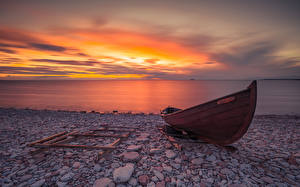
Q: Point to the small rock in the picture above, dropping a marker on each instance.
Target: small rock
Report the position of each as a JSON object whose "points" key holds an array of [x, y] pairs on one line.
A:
{"points": [[38, 183], [196, 178], [155, 151], [168, 168], [180, 177], [123, 174], [67, 177], [142, 139], [151, 184], [97, 167], [25, 178], [178, 160], [168, 179], [143, 179], [76, 165], [180, 183], [60, 184], [161, 184], [158, 168], [115, 165], [226, 171], [237, 185], [211, 158], [177, 166], [133, 182], [134, 147], [131, 156], [146, 135], [168, 145], [267, 179], [170, 154], [104, 182], [154, 179], [158, 175], [24, 184], [197, 161]]}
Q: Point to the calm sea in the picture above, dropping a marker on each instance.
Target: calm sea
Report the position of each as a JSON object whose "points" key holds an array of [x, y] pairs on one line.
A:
{"points": [[274, 96]]}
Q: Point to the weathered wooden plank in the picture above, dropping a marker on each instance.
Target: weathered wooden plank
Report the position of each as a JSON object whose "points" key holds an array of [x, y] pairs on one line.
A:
{"points": [[106, 152], [67, 140], [103, 135], [116, 130], [47, 138], [73, 146], [116, 142], [117, 126], [61, 137]]}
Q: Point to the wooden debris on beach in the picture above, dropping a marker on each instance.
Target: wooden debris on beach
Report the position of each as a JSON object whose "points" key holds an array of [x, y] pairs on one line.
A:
{"points": [[59, 140]]}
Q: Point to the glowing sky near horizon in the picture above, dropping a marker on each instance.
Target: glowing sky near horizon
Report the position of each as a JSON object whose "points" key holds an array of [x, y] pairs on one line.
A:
{"points": [[149, 39]]}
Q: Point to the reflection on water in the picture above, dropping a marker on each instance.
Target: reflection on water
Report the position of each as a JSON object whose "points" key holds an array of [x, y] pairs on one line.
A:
{"points": [[279, 97]]}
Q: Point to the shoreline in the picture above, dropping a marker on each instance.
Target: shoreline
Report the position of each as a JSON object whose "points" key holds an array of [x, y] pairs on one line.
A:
{"points": [[267, 155], [128, 112], [82, 111]]}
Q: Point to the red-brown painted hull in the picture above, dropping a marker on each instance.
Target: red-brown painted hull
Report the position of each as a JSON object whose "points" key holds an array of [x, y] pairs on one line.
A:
{"points": [[221, 121]]}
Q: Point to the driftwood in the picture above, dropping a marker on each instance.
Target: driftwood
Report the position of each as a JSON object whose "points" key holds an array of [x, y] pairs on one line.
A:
{"points": [[47, 138], [103, 135], [117, 130], [74, 146], [61, 137], [104, 153], [59, 140]]}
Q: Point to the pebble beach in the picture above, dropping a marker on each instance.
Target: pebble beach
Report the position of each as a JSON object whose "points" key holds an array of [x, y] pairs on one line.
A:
{"points": [[268, 154]]}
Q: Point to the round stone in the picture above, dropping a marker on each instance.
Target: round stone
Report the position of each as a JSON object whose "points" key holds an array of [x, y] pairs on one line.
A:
{"points": [[131, 156]]}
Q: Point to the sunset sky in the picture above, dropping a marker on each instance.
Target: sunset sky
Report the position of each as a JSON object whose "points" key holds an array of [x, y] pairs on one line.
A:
{"points": [[136, 39]]}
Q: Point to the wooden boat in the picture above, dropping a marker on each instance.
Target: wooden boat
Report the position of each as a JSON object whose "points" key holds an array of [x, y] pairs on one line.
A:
{"points": [[221, 121]]}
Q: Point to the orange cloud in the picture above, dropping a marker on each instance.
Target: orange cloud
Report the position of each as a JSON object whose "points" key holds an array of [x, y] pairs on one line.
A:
{"points": [[113, 53]]}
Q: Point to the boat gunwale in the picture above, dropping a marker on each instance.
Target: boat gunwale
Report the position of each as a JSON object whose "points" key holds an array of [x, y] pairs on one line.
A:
{"points": [[196, 106]]}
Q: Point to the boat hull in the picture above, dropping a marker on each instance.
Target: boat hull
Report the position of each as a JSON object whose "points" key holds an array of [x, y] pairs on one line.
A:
{"points": [[221, 121]]}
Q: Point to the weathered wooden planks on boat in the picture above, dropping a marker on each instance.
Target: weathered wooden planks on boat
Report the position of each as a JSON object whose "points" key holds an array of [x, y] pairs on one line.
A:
{"points": [[221, 121]]}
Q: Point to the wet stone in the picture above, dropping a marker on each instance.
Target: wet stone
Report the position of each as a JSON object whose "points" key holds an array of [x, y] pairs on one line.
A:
{"points": [[170, 154], [104, 182], [133, 182], [134, 147], [151, 184], [146, 135], [131, 156], [158, 174], [267, 180], [115, 165], [155, 151], [25, 178], [61, 184], [97, 167], [197, 161], [67, 177], [123, 174], [142, 139], [38, 183], [76, 165], [211, 158], [167, 168], [143, 179], [160, 184], [154, 178]]}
